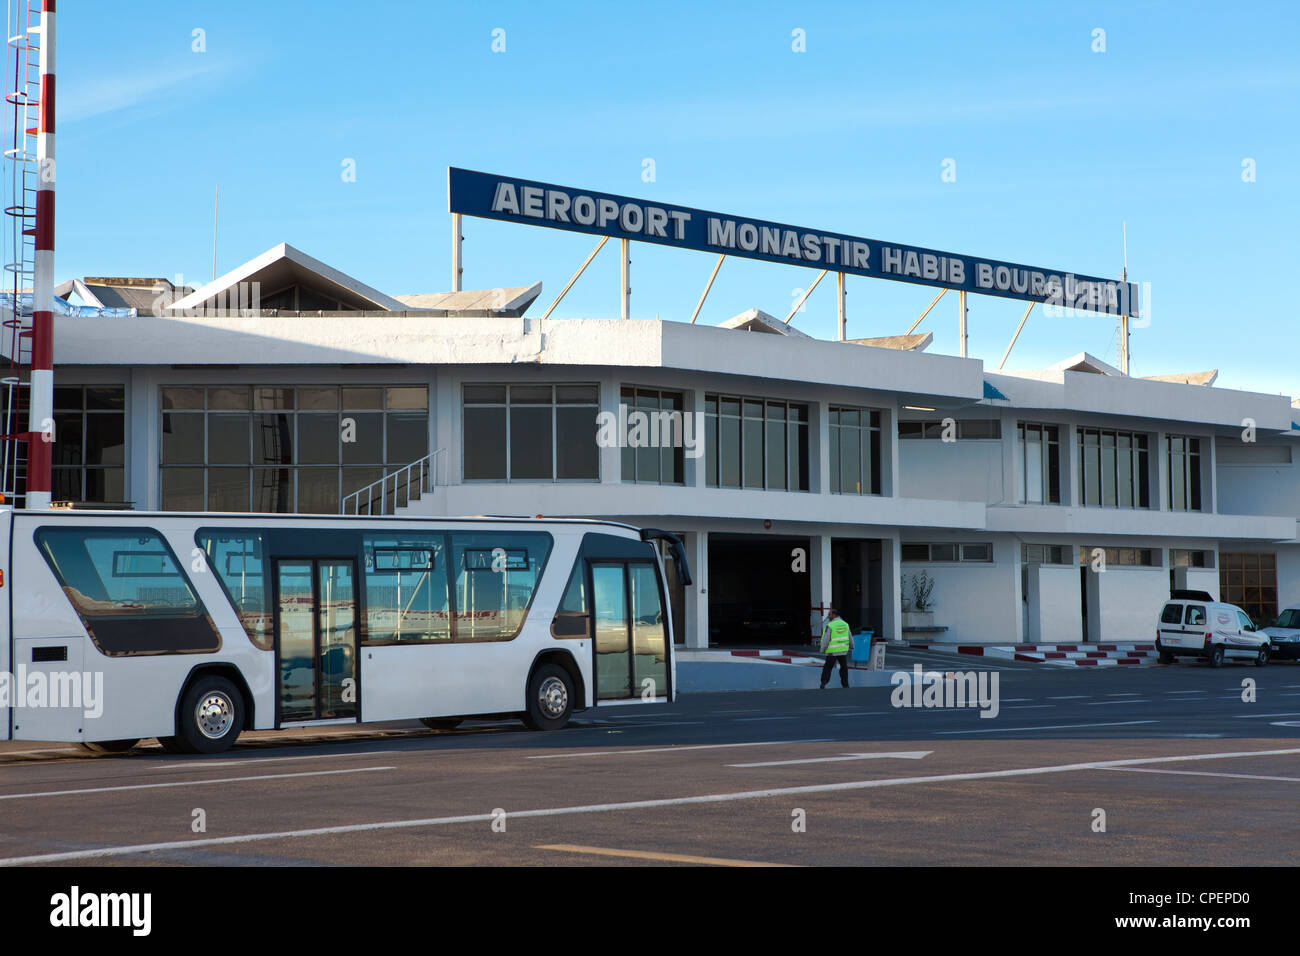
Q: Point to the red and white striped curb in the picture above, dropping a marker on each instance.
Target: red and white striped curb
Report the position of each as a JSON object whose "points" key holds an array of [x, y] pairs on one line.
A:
{"points": [[778, 657], [1068, 655]]}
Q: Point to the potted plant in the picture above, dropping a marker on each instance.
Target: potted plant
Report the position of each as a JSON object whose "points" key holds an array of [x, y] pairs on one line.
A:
{"points": [[919, 611]]}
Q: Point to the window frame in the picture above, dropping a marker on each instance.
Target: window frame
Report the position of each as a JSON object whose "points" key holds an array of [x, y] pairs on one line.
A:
{"points": [[554, 404]]}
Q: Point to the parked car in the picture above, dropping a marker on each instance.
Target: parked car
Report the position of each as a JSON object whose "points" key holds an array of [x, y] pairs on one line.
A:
{"points": [[1284, 633], [1192, 624]]}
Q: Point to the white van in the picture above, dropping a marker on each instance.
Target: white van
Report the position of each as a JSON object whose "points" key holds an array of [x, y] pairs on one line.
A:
{"points": [[1193, 624]]}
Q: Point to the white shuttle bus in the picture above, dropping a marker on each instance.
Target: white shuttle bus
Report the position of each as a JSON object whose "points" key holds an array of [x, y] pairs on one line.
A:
{"points": [[117, 626]]}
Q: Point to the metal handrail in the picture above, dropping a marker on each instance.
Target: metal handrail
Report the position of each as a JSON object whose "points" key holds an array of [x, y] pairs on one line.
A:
{"points": [[422, 474]]}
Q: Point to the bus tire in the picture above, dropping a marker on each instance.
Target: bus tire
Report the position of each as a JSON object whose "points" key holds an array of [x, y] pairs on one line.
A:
{"points": [[211, 716], [108, 746], [550, 698], [441, 723]]}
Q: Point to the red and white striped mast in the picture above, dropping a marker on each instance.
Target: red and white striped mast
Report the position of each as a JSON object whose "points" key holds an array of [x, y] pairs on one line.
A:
{"points": [[40, 448]]}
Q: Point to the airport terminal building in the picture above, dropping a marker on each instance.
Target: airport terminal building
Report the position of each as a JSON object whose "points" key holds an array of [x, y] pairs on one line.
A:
{"points": [[1048, 506]]}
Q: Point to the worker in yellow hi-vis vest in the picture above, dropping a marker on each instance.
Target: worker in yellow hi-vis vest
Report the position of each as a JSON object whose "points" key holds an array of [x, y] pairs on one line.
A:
{"points": [[837, 643]]}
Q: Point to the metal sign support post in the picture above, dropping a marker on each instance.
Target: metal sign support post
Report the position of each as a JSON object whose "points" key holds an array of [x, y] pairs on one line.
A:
{"points": [[839, 298], [456, 239], [625, 279], [961, 320]]}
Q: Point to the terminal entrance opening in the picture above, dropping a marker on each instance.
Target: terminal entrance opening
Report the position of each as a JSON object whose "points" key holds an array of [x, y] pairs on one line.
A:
{"points": [[759, 591]]}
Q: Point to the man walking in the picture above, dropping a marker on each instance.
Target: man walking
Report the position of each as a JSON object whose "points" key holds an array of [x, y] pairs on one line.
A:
{"points": [[837, 642]]}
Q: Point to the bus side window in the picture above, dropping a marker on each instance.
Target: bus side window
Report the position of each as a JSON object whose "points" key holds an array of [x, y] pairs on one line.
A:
{"points": [[128, 590], [495, 575], [571, 616]]}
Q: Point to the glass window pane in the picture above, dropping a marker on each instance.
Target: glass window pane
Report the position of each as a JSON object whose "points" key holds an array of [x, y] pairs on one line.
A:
{"points": [[227, 489], [797, 473], [850, 461], [409, 397], [577, 394], [228, 439], [753, 449], [65, 484], [355, 479], [182, 440], [729, 452], [776, 459], [485, 394], [105, 397], [833, 438], [753, 409], [273, 398], [105, 484], [273, 490], [627, 463], [228, 398], [530, 394], [943, 552], [238, 560], [68, 448], [272, 439], [495, 575], [182, 398], [319, 439], [182, 489], [485, 443], [408, 437], [916, 552], [406, 588], [613, 664], [711, 450], [318, 399], [530, 442], [318, 491], [649, 650], [69, 398], [576, 454], [366, 433], [359, 399]]}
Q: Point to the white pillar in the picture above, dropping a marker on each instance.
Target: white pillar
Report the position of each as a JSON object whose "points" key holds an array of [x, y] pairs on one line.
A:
{"points": [[697, 596], [820, 581], [891, 615]]}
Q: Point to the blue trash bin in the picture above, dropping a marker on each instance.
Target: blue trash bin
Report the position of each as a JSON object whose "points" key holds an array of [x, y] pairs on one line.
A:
{"points": [[861, 648]]}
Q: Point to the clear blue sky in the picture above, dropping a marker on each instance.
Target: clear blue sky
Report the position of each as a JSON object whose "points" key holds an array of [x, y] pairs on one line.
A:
{"points": [[1054, 144]]}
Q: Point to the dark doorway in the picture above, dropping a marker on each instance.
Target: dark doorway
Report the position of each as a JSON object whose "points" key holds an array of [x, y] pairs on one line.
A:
{"points": [[758, 590], [856, 582]]}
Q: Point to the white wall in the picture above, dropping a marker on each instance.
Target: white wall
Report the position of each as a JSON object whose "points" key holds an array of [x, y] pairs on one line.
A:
{"points": [[978, 603], [1129, 602], [964, 470], [1054, 609]]}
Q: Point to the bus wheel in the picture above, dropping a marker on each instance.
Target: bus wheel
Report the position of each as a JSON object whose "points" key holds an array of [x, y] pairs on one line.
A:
{"points": [[550, 698], [211, 716], [109, 746], [441, 723]]}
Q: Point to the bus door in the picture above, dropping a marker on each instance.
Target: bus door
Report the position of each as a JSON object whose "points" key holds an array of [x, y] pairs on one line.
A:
{"points": [[631, 654], [316, 638]]}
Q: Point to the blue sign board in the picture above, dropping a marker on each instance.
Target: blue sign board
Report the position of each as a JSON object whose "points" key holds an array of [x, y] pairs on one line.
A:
{"points": [[582, 210]]}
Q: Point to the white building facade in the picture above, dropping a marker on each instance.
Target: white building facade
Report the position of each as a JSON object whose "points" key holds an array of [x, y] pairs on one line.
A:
{"points": [[1054, 506]]}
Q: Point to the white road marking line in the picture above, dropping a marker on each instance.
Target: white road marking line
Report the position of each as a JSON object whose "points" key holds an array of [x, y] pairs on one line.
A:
{"points": [[1072, 697], [1205, 773], [1127, 700], [1249, 716], [746, 719], [1127, 693], [668, 750], [862, 713], [1187, 692], [745, 710], [1030, 707], [111, 851], [254, 761], [1006, 730], [634, 716], [902, 755], [1017, 700], [671, 723], [187, 783]]}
